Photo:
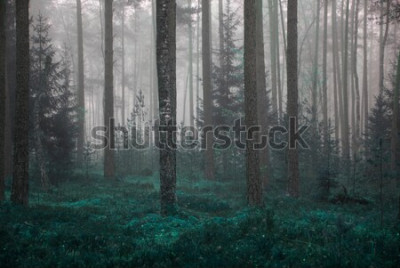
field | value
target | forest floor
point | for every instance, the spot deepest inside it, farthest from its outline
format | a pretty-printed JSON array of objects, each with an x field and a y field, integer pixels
[{"x": 117, "y": 224}]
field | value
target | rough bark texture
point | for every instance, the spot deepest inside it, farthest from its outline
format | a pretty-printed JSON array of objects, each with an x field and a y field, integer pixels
[
  {"x": 207, "y": 90},
  {"x": 262, "y": 98},
  {"x": 81, "y": 86},
  {"x": 254, "y": 185},
  {"x": 2, "y": 94},
  {"x": 20, "y": 185},
  {"x": 292, "y": 102},
  {"x": 166, "y": 67},
  {"x": 109, "y": 165}
]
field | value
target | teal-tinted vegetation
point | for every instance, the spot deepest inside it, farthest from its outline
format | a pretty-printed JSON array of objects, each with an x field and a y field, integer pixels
[{"x": 100, "y": 223}]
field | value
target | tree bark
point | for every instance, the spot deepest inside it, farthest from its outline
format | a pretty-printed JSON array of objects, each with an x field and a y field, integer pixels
[
  {"x": 254, "y": 184},
  {"x": 394, "y": 164},
  {"x": 292, "y": 96},
  {"x": 356, "y": 89},
  {"x": 166, "y": 69},
  {"x": 2, "y": 94},
  {"x": 325, "y": 79},
  {"x": 383, "y": 39},
  {"x": 262, "y": 98},
  {"x": 81, "y": 85},
  {"x": 274, "y": 89},
  {"x": 365, "y": 70},
  {"x": 109, "y": 165},
  {"x": 207, "y": 90},
  {"x": 20, "y": 185},
  {"x": 190, "y": 26}
]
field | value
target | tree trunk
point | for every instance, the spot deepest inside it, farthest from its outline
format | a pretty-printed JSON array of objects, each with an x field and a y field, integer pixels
[
  {"x": 273, "y": 59},
  {"x": 314, "y": 108},
  {"x": 292, "y": 96},
  {"x": 166, "y": 68},
  {"x": 198, "y": 62},
  {"x": 2, "y": 94},
  {"x": 191, "y": 111},
  {"x": 254, "y": 184},
  {"x": 356, "y": 104},
  {"x": 383, "y": 38},
  {"x": 123, "y": 82},
  {"x": 365, "y": 70},
  {"x": 325, "y": 79},
  {"x": 109, "y": 165},
  {"x": 81, "y": 85},
  {"x": 345, "y": 136},
  {"x": 395, "y": 123},
  {"x": 207, "y": 90},
  {"x": 262, "y": 98},
  {"x": 20, "y": 185}
]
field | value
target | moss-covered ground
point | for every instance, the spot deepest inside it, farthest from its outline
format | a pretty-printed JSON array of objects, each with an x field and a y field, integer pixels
[{"x": 117, "y": 224}]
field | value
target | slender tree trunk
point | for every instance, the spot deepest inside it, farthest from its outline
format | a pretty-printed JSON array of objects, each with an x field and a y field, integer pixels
[
  {"x": 336, "y": 73},
  {"x": 262, "y": 97},
  {"x": 383, "y": 39},
  {"x": 109, "y": 164},
  {"x": 345, "y": 137},
  {"x": 2, "y": 94},
  {"x": 207, "y": 90},
  {"x": 365, "y": 70},
  {"x": 395, "y": 161},
  {"x": 325, "y": 79},
  {"x": 273, "y": 58},
  {"x": 278, "y": 57},
  {"x": 20, "y": 185},
  {"x": 198, "y": 62},
  {"x": 314, "y": 98},
  {"x": 154, "y": 62},
  {"x": 292, "y": 96},
  {"x": 166, "y": 69},
  {"x": 81, "y": 85},
  {"x": 191, "y": 106},
  {"x": 357, "y": 117},
  {"x": 123, "y": 82},
  {"x": 254, "y": 184}
]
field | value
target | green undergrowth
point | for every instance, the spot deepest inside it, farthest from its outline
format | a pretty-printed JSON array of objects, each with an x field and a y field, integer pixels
[{"x": 101, "y": 223}]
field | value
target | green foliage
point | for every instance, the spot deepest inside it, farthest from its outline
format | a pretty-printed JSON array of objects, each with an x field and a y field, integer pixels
[{"x": 100, "y": 223}]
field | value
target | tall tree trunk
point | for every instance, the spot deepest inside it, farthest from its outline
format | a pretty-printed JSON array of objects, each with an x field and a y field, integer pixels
[
  {"x": 325, "y": 79},
  {"x": 365, "y": 70},
  {"x": 336, "y": 72},
  {"x": 123, "y": 82},
  {"x": 81, "y": 85},
  {"x": 198, "y": 62},
  {"x": 207, "y": 90},
  {"x": 2, "y": 94},
  {"x": 109, "y": 164},
  {"x": 274, "y": 88},
  {"x": 383, "y": 39},
  {"x": 395, "y": 161},
  {"x": 20, "y": 185},
  {"x": 292, "y": 96},
  {"x": 166, "y": 69},
  {"x": 356, "y": 89},
  {"x": 345, "y": 136},
  {"x": 254, "y": 184},
  {"x": 314, "y": 98},
  {"x": 278, "y": 57},
  {"x": 262, "y": 98},
  {"x": 154, "y": 62},
  {"x": 191, "y": 106}
]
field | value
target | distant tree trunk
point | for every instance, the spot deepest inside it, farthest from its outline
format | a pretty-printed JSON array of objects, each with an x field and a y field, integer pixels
[
  {"x": 20, "y": 185},
  {"x": 292, "y": 96},
  {"x": 395, "y": 123},
  {"x": 2, "y": 94},
  {"x": 325, "y": 79},
  {"x": 166, "y": 69},
  {"x": 314, "y": 98},
  {"x": 154, "y": 62},
  {"x": 254, "y": 184},
  {"x": 123, "y": 82},
  {"x": 337, "y": 74},
  {"x": 207, "y": 90},
  {"x": 278, "y": 59},
  {"x": 262, "y": 98},
  {"x": 191, "y": 106},
  {"x": 383, "y": 39},
  {"x": 109, "y": 165},
  {"x": 345, "y": 136},
  {"x": 365, "y": 70},
  {"x": 356, "y": 104},
  {"x": 81, "y": 85},
  {"x": 198, "y": 61},
  {"x": 273, "y": 58}
]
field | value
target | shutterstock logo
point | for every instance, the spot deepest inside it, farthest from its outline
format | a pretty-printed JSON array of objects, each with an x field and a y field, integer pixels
[{"x": 191, "y": 138}]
